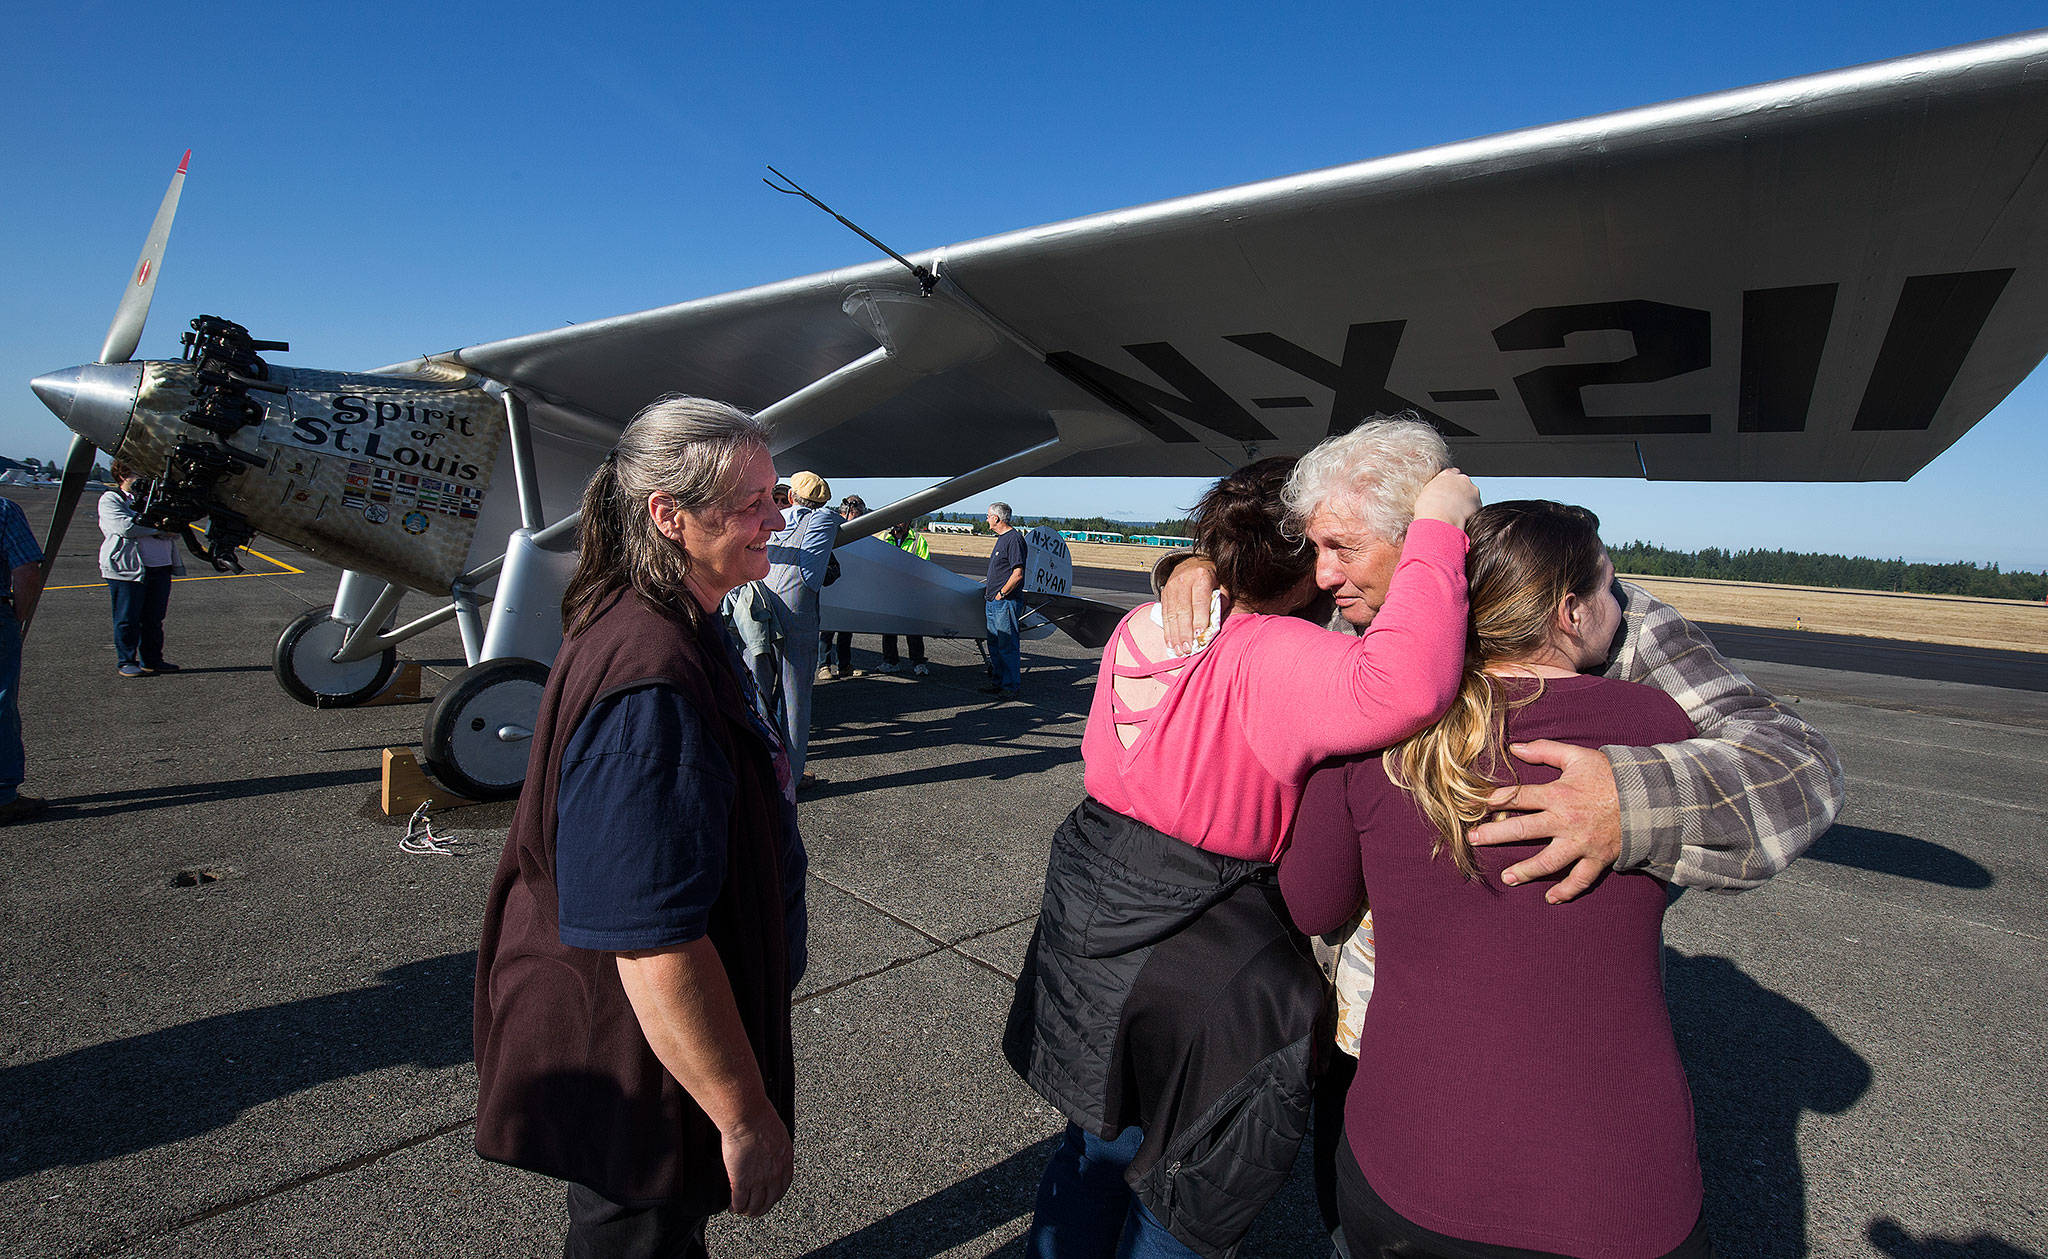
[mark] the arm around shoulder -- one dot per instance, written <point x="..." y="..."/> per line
<point x="1311" y="694"/>
<point x="1726" y="810"/>
<point x="1408" y="663"/>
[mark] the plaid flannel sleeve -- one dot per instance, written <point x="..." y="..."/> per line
<point x="1732" y="807"/>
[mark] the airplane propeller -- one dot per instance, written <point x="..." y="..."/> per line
<point x="64" y="392"/>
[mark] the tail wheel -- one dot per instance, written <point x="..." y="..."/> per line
<point x="480" y="728"/>
<point x="306" y="669"/>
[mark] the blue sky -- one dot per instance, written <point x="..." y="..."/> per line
<point x="375" y="181"/>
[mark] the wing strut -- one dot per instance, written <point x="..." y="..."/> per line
<point x="1078" y="431"/>
<point x="524" y="474"/>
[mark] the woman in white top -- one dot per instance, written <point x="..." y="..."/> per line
<point x="138" y="562"/>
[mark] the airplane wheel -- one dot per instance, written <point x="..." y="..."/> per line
<point x="305" y="667"/>
<point x="480" y="728"/>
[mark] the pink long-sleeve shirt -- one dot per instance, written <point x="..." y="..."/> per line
<point x="1221" y="758"/>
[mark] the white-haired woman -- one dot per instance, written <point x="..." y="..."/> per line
<point x="646" y="924"/>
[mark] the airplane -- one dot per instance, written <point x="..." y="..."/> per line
<point x="1824" y="278"/>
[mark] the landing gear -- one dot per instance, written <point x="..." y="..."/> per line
<point x="480" y="729"/>
<point x="305" y="667"/>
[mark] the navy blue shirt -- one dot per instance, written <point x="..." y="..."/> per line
<point x="640" y="829"/>
<point x="1007" y="558"/>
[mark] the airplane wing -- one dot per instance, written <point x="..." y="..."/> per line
<point x="1826" y="278"/>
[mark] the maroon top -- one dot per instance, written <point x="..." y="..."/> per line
<point x="1518" y="1083"/>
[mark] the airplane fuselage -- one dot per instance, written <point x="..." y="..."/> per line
<point x="381" y="474"/>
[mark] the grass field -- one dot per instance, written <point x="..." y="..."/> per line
<point x="1960" y="621"/>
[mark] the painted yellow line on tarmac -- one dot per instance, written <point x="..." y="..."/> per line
<point x="283" y="569"/>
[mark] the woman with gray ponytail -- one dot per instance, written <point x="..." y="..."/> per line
<point x="646" y="923"/>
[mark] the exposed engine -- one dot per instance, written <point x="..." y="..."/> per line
<point x="229" y="367"/>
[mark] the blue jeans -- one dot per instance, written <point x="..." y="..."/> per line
<point x="1086" y="1211"/>
<point x="1005" y="649"/>
<point x="799" y="670"/>
<point x="139" y="608"/>
<point x="13" y="760"/>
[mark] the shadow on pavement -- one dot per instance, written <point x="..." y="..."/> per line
<point x="1757" y="1062"/>
<point x="1887" y="853"/>
<point x="894" y="722"/>
<point x="192" y="669"/>
<point x="166" y="1086"/>
<point x="108" y="803"/>
<point x="1886" y="1234"/>
<point x="955" y="1215"/>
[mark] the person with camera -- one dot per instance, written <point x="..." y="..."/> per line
<point x="138" y="561"/>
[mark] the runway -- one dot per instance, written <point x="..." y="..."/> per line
<point x="1974" y="666"/>
<point x="238" y="1017"/>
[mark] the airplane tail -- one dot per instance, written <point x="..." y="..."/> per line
<point x="1088" y="622"/>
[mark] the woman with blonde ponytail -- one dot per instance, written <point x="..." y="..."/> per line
<point x="1453" y="1148"/>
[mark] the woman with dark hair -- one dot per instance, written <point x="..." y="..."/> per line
<point x="1167" y="1007"/>
<point x="646" y="924"/>
<point x="1449" y="1150"/>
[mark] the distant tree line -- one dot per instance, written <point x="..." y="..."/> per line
<point x="1805" y="568"/>
<point x="1083" y="524"/>
<point x="1783" y="568"/>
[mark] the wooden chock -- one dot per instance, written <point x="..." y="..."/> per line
<point x="406" y="786"/>
<point x="403" y="688"/>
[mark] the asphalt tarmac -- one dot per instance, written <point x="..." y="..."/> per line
<point x="239" y="1017"/>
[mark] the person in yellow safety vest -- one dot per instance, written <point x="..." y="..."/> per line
<point x="910" y="540"/>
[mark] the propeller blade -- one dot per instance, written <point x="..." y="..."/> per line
<point x="125" y="333"/>
<point x="77" y="467"/>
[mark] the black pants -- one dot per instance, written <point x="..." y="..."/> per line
<point x="1327" y="1130"/>
<point x="602" y="1229"/>
<point x="916" y="648"/>
<point x="1374" y="1230"/>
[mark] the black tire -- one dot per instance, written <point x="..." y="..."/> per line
<point x="305" y="669"/>
<point x="463" y="749"/>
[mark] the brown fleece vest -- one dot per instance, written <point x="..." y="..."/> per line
<point x="567" y="1085"/>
